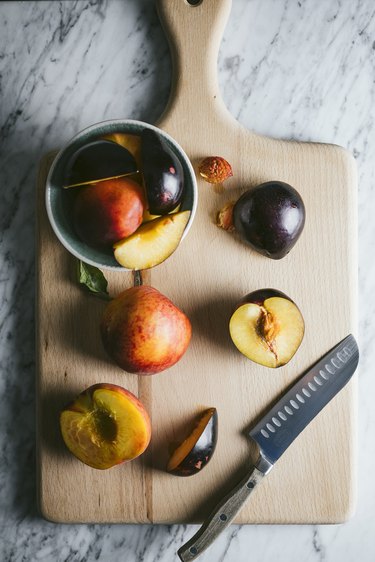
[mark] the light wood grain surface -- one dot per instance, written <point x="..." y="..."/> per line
<point x="314" y="482"/>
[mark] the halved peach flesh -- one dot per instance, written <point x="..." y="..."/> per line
<point x="106" y="425"/>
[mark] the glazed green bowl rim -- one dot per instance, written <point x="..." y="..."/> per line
<point x="70" y="240"/>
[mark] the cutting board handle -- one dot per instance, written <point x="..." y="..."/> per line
<point x="194" y="34"/>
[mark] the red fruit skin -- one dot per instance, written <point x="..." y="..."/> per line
<point x="144" y="332"/>
<point x="108" y="211"/>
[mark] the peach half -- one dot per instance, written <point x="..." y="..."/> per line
<point x="105" y="425"/>
<point x="267" y="327"/>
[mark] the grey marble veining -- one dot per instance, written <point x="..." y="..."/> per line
<point x="290" y="69"/>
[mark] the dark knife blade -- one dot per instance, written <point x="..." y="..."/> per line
<point x="276" y="431"/>
<point x="307" y="397"/>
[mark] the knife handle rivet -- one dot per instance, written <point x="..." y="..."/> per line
<point x="193" y="550"/>
<point x="223" y="517"/>
<point x="250" y="485"/>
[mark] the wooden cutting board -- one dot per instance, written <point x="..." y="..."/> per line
<point x="314" y="482"/>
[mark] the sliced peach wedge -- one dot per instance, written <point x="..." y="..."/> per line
<point x="105" y="425"/>
<point x="153" y="242"/>
<point x="267" y="327"/>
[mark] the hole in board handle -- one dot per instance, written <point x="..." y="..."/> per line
<point x="193" y="3"/>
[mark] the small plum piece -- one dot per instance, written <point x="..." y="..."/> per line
<point x="105" y="425"/>
<point x="153" y="242"/>
<point x="270" y="218"/>
<point x="143" y="331"/>
<point x="163" y="174"/>
<point x="108" y="211"/>
<point x="267" y="327"/>
<point x="197" y="449"/>
<point x="97" y="161"/>
<point x="215" y="169"/>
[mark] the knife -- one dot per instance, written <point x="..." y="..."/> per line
<point x="277" y="429"/>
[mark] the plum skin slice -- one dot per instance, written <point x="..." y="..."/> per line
<point x="194" y="453"/>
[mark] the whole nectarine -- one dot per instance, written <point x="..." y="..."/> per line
<point x="143" y="331"/>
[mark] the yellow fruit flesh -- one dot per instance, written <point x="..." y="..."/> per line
<point x="243" y="327"/>
<point x="147" y="217"/>
<point x="189" y="443"/>
<point x="111" y="431"/>
<point x="152" y="243"/>
<point x="269" y="334"/>
<point x="291" y="328"/>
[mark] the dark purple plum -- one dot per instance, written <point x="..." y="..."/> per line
<point x="97" y="161"/>
<point x="270" y="217"/>
<point x="162" y="173"/>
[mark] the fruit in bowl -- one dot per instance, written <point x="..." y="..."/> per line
<point x="108" y="211"/>
<point x="97" y="161"/>
<point x="267" y="327"/>
<point x="118" y="153"/>
<point x="105" y="425"/>
<point x="130" y="141"/>
<point x="143" y="331"/>
<point x="153" y="242"/>
<point x="163" y="175"/>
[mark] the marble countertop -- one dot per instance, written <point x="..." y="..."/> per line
<point x="292" y="69"/>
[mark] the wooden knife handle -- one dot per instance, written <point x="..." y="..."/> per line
<point x="221" y="517"/>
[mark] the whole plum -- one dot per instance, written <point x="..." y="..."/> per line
<point x="270" y="217"/>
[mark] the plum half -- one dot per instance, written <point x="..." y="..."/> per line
<point x="270" y="217"/>
<point x="197" y="449"/>
<point x="97" y="161"/>
<point x="267" y="327"/>
<point x="163" y="175"/>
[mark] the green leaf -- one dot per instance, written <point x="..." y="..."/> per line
<point x="92" y="279"/>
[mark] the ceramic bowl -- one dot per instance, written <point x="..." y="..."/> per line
<point x="59" y="200"/>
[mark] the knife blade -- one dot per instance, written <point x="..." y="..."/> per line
<point x="277" y="429"/>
